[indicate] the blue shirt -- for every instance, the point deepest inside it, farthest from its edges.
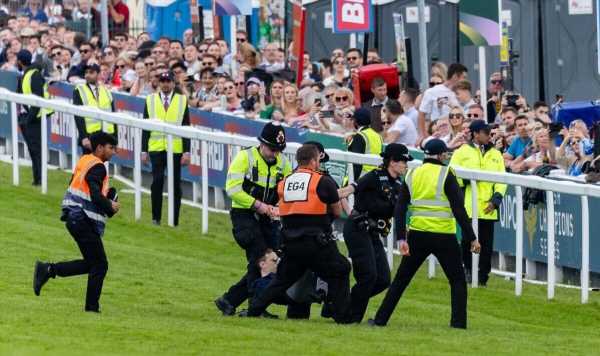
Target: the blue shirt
(40, 15)
(517, 147)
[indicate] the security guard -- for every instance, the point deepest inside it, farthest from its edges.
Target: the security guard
(436, 203)
(170, 107)
(365, 141)
(480, 154)
(32, 82)
(86, 204)
(96, 95)
(251, 184)
(308, 200)
(376, 196)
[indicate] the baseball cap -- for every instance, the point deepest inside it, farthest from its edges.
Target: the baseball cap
(396, 152)
(434, 147)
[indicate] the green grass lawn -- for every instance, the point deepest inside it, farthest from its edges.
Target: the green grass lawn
(158, 297)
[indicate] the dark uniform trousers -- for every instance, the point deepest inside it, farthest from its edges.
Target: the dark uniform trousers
(486, 240)
(254, 236)
(369, 265)
(446, 249)
(33, 138)
(94, 262)
(159, 166)
(302, 254)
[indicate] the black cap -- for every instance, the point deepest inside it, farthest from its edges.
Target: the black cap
(396, 152)
(323, 157)
(435, 146)
(24, 56)
(166, 76)
(479, 125)
(362, 117)
(273, 135)
(95, 67)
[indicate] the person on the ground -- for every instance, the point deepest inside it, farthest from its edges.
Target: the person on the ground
(86, 205)
(432, 195)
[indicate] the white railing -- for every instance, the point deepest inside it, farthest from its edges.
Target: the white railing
(519, 181)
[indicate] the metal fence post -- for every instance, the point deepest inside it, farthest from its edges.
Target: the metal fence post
(137, 172)
(204, 162)
(44, 144)
(73, 143)
(15, 143)
(390, 247)
(585, 249)
(551, 243)
(519, 243)
(475, 223)
(170, 181)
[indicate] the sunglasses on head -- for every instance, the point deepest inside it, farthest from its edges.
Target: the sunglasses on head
(473, 116)
(341, 98)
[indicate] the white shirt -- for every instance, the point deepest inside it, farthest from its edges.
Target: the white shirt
(408, 132)
(413, 114)
(168, 97)
(437, 102)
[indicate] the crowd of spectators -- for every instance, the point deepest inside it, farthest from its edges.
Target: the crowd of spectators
(258, 84)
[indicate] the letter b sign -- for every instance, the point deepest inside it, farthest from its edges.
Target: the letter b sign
(352, 16)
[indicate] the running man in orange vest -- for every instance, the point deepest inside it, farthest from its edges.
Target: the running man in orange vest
(308, 202)
(86, 205)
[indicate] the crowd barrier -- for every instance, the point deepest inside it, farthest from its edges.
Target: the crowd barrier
(563, 222)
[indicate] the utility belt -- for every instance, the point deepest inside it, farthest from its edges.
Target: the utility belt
(258, 192)
(375, 227)
(322, 238)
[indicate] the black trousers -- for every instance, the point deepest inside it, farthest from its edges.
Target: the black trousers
(159, 166)
(303, 254)
(94, 262)
(486, 240)
(33, 138)
(446, 249)
(254, 236)
(369, 265)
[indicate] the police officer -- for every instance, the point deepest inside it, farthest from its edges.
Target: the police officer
(95, 95)
(251, 184)
(480, 154)
(376, 195)
(170, 107)
(308, 200)
(365, 141)
(432, 195)
(32, 82)
(86, 205)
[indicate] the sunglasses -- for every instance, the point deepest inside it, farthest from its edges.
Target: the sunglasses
(208, 64)
(473, 116)
(239, 83)
(351, 58)
(339, 99)
(240, 40)
(455, 116)
(84, 50)
(149, 64)
(202, 50)
(157, 52)
(55, 54)
(121, 66)
(432, 84)
(385, 123)
(339, 63)
(496, 82)
(328, 96)
(229, 87)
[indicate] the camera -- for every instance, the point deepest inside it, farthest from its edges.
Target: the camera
(511, 100)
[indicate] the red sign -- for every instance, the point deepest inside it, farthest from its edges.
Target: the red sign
(352, 16)
(298, 27)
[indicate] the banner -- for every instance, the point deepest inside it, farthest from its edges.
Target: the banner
(479, 22)
(232, 7)
(298, 29)
(351, 16)
(401, 60)
(504, 47)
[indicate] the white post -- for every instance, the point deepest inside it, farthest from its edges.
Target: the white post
(15, 142)
(390, 247)
(233, 30)
(195, 192)
(431, 267)
(519, 243)
(73, 143)
(483, 81)
(424, 56)
(137, 172)
(104, 21)
(585, 249)
(353, 40)
(170, 181)
(475, 223)
(351, 177)
(551, 244)
(44, 144)
(204, 162)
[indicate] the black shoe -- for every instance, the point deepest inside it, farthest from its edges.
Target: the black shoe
(327, 310)
(88, 310)
(36, 183)
(372, 323)
(268, 315)
(458, 326)
(156, 222)
(224, 306)
(41, 274)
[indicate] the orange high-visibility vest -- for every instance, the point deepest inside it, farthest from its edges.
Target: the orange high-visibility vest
(298, 194)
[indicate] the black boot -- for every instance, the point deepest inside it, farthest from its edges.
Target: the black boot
(41, 273)
(224, 306)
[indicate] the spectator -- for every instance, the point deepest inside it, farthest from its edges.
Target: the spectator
(541, 153)
(248, 56)
(188, 37)
(354, 58)
(457, 134)
(179, 71)
(109, 56)
(329, 95)
(270, 62)
(520, 143)
(142, 38)
(508, 116)
(475, 112)
(120, 41)
(118, 16)
(398, 128)
(34, 10)
(276, 95)
(209, 61)
(77, 73)
(337, 53)
(310, 69)
(159, 53)
(192, 61)
(254, 100)
(373, 56)
(541, 111)
(142, 85)
(340, 76)
(344, 111)
(207, 91)
(439, 70)
(176, 49)
(407, 99)
(438, 99)
(463, 94)
(578, 129)
(379, 90)
(495, 90)
(123, 75)
(290, 107)
(85, 12)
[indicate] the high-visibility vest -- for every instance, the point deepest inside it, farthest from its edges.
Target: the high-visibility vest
(470, 157)
(26, 89)
(298, 194)
(250, 178)
(173, 116)
(78, 194)
(429, 207)
(373, 145)
(103, 102)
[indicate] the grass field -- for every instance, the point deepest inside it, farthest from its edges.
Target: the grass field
(157, 298)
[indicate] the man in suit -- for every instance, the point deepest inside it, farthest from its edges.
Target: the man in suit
(379, 90)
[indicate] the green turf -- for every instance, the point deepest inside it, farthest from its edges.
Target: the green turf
(158, 294)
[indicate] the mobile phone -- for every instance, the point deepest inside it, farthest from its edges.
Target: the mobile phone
(327, 113)
(318, 102)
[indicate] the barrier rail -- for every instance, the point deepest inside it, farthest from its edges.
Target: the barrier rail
(519, 181)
